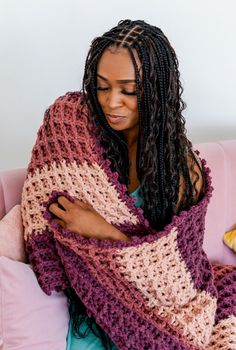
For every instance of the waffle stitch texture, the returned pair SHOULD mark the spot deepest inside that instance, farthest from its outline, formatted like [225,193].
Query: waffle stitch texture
[156,291]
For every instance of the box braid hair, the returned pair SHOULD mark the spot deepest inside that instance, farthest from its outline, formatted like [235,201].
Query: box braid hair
[162,148]
[162,143]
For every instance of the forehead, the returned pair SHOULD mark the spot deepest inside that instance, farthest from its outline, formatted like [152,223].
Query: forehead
[116,63]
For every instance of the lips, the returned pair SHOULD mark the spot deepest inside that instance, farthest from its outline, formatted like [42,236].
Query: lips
[114,119]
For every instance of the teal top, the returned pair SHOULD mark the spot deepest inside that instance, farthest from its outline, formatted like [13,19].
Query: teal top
[91,342]
[136,194]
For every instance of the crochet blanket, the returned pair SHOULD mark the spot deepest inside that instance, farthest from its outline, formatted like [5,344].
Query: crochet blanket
[156,291]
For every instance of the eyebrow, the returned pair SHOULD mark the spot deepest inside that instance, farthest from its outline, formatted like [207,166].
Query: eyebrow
[122,81]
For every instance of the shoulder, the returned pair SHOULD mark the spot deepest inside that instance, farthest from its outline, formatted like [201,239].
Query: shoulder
[66,116]
[64,129]
[194,164]
[196,177]
[71,97]
[68,106]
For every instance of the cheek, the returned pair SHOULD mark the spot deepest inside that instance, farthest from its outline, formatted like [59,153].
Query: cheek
[132,105]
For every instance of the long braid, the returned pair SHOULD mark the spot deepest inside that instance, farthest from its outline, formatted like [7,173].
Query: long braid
[162,143]
[139,102]
[161,167]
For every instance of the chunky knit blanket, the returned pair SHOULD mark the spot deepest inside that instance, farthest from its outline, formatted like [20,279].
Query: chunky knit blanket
[156,291]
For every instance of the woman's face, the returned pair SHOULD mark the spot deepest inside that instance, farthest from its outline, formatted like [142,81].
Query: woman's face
[116,90]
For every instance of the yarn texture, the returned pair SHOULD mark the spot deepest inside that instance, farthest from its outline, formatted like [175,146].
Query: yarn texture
[156,291]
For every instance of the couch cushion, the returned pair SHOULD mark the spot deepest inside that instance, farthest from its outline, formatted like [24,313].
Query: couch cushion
[11,235]
[29,319]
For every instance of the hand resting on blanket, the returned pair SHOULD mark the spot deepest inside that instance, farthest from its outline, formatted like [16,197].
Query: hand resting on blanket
[82,218]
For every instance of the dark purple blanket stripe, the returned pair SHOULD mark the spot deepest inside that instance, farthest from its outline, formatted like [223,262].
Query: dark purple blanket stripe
[196,260]
[190,240]
[225,282]
[127,330]
[46,262]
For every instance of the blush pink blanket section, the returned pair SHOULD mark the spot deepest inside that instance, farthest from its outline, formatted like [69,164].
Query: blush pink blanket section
[156,291]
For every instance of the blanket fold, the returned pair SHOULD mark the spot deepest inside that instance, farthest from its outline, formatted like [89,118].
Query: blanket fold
[156,291]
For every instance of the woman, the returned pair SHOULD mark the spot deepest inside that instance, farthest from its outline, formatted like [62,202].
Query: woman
[123,137]
[132,87]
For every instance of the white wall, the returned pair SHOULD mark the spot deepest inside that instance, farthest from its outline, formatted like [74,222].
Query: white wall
[43,45]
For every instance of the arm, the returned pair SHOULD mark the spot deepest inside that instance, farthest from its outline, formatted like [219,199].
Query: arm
[81,218]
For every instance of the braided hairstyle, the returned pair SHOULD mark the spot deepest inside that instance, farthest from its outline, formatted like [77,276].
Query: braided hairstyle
[163,151]
[162,143]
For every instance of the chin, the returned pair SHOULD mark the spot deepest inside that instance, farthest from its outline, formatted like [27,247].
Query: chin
[118,126]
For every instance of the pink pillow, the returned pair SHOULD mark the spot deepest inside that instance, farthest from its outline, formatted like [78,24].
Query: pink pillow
[29,319]
[11,235]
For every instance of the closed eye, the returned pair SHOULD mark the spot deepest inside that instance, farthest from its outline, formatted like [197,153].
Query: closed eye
[123,91]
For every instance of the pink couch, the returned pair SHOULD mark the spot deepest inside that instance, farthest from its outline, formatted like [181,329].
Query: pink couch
[221,216]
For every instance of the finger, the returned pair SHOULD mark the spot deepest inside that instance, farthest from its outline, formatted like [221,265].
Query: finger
[81,204]
[64,202]
[60,222]
[60,213]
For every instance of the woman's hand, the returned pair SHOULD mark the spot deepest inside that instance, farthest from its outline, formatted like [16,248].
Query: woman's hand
[81,218]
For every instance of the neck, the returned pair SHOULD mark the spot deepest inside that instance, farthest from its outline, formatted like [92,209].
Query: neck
[131,137]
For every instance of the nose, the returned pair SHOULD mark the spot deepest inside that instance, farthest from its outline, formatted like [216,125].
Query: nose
[114,99]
